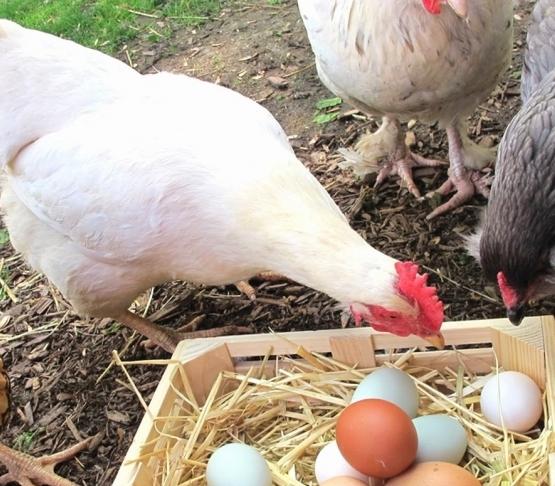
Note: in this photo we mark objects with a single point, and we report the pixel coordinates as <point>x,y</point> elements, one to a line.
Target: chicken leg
<point>29,471</point>
<point>387,142</point>
<point>464,181</point>
<point>246,288</point>
<point>169,338</point>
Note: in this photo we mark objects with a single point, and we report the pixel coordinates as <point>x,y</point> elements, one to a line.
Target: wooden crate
<point>529,348</point>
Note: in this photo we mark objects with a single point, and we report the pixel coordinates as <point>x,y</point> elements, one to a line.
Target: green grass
<point>107,24</point>
<point>24,441</point>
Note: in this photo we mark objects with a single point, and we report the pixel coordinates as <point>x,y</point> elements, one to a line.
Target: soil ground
<point>57,360</point>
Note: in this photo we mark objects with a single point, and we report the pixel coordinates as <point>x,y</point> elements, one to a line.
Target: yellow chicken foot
<point>463,181</point>
<point>168,338</point>
<point>30,471</point>
<point>246,288</point>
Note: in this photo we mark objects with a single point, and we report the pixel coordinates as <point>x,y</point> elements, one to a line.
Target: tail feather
<point>370,148</point>
<point>472,241</point>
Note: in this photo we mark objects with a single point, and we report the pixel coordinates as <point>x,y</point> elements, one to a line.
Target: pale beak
<point>460,7</point>
<point>436,341</point>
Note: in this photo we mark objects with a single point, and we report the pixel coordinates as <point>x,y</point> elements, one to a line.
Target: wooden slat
<point>247,345</point>
<point>139,473</point>
<point>549,344</point>
<point>478,361</point>
<point>521,348</point>
<point>355,350</point>
<point>203,370</point>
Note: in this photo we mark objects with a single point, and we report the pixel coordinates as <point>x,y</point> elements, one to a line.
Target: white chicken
<point>144,184</point>
<point>116,182</point>
<point>405,59</point>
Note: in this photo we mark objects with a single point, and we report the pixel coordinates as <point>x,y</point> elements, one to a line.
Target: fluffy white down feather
<point>119,182</point>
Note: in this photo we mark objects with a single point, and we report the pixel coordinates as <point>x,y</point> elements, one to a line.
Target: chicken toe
<point>388,143</point>
<point>30,471</point>
<point>403,168</point>
<point>464,186</point>
<point>465,174</point>
<point>246,288</point>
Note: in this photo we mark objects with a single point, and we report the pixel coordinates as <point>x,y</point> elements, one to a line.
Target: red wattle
<point>508,294</point>
<point>432,6</point>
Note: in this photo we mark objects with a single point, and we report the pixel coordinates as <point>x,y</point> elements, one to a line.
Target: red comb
<point>432,6</point>
<point>509,295</point>
<point>413,286</point>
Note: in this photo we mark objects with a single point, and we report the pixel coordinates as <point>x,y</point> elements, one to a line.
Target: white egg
<point>515,397</point>
<point>331,464</point>
<point>237,465</point>
<point>392,385</point>
<point>440,439</point>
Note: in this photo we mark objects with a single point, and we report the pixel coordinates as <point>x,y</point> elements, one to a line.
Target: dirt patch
<point>261,51</point>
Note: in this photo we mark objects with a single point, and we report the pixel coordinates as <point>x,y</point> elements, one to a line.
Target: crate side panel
<point>353,351</point>
<point>522,349</point>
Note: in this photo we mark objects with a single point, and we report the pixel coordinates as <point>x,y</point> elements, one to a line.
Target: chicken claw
<point>403,168</point>
<point>246,288</point>
<point>464,180</point>
<point>30,471</point>
<point>464,186</point>
<point>389,143</point>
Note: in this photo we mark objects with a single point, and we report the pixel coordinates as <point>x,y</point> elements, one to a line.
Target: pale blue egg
<point>440,439</point>
<point>392,385</point>
<point>237,465</point>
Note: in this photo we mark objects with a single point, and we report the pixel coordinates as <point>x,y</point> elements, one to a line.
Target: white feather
<point>176,178</point>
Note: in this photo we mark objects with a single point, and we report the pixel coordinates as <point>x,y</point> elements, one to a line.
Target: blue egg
<point>392,385</point>
<point>237,465</point>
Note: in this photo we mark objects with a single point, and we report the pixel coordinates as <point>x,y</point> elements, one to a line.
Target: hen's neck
<point>327,255</point>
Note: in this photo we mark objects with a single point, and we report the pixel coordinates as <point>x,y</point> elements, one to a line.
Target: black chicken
<point>516,241</point>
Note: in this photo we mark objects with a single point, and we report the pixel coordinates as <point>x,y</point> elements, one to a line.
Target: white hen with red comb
<point>154,186</point>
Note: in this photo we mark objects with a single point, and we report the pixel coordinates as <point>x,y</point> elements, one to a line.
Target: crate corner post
<point>522,348</point>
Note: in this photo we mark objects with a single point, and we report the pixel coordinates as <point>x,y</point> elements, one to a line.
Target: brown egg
<point>435,474</point>
<point>377,438</point>
<point>344,481</point>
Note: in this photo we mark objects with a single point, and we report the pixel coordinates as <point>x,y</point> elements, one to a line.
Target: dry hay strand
<point>289,417</point>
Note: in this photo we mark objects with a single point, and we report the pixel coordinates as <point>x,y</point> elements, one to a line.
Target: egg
<point>237,465</point>
<point>440,438</point>
<point>516,397</point>
<point>392,385</point>
<point>376,437</point>
<point>330,464</point>
<point>434,474</point>
<point>344,481</point>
